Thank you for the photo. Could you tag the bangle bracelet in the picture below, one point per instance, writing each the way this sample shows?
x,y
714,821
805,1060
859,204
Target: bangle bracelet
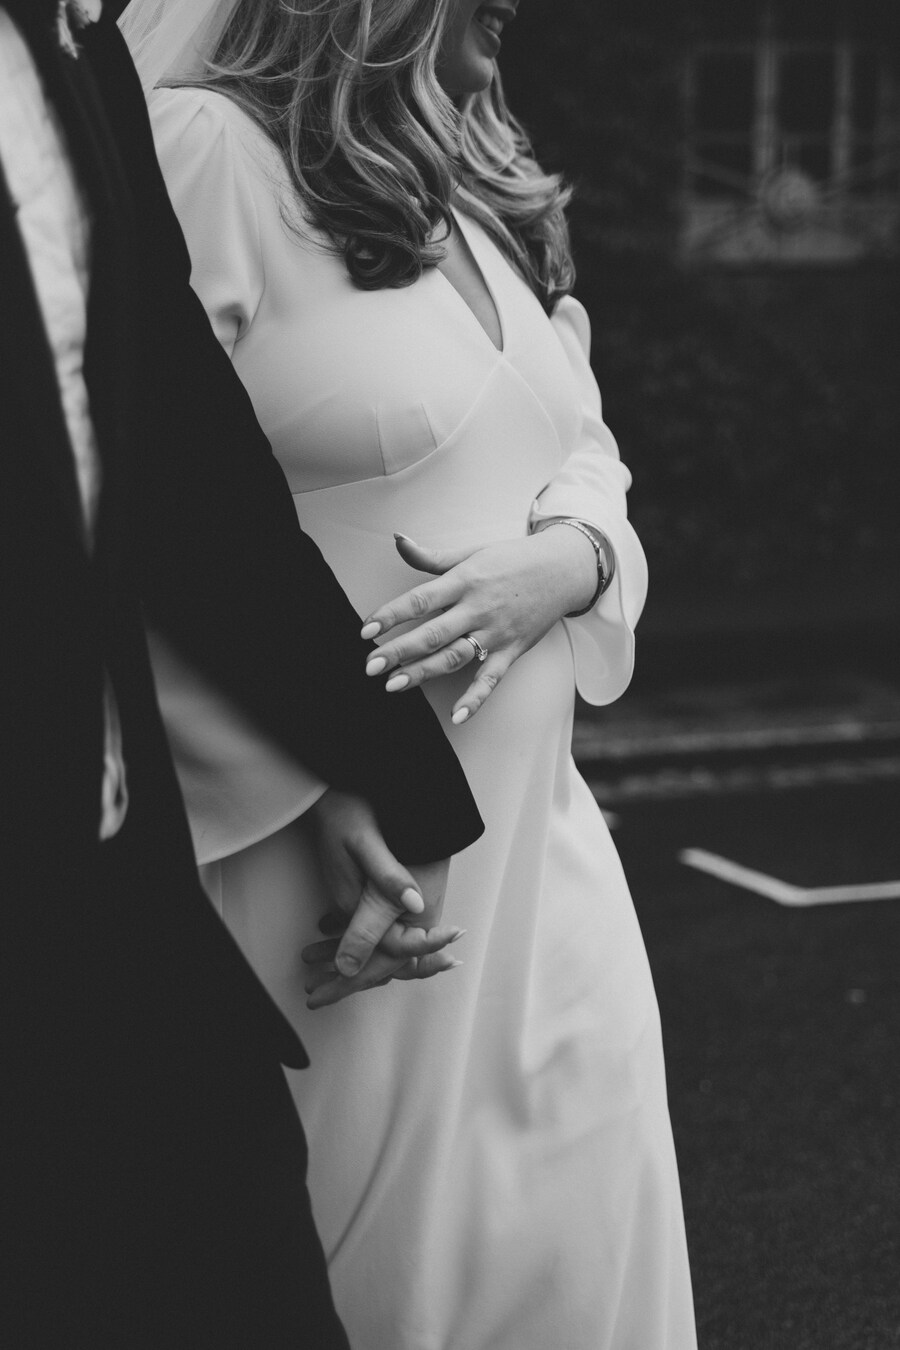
x,y
606,559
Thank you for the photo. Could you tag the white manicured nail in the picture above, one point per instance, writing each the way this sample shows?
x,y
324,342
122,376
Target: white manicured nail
x,y
375,665
370,630
459,716
397,682
412,901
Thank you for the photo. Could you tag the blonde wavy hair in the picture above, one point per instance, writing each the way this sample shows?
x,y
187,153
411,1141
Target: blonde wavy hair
x,y
376,150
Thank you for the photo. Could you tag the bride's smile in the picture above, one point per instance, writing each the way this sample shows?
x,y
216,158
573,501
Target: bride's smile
x,y
472,43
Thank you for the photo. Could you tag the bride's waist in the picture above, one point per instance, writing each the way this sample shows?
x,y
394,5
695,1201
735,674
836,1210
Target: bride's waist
x,y
362,550
454,514
362,553
357,522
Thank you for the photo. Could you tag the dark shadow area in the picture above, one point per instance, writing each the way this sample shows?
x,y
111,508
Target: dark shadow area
x,y
755,396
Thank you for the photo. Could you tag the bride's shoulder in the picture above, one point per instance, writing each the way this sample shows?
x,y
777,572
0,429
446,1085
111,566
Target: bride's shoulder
x,y
194,118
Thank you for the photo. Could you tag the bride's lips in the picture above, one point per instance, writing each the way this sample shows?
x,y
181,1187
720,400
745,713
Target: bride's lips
x,y
492,19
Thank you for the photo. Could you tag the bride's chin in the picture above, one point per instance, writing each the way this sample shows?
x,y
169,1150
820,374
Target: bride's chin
x,y
476,78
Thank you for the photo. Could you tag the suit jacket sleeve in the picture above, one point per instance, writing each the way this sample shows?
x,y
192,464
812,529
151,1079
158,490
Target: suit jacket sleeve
x,y
220,561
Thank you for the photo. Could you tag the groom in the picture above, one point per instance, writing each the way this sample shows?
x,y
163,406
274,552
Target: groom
x,y
154,1182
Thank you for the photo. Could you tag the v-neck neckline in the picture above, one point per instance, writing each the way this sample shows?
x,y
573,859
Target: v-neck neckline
x,y
463,227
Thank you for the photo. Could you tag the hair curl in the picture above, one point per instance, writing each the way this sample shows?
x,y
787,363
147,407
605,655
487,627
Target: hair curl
x,y
376,150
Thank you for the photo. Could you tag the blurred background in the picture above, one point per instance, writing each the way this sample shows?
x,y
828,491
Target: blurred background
x,y
737,238
737,235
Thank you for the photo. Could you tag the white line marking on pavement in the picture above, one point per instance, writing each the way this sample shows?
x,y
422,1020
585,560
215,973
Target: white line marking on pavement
x,y
782,892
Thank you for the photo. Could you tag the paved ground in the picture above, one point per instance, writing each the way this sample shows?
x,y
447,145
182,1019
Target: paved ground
x,y
692,739
782,1022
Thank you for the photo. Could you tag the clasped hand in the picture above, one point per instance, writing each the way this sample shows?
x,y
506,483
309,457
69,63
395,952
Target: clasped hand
x,y
385,922
505,595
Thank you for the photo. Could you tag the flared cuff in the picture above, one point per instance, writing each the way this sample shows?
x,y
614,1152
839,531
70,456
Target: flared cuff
x,y
603,639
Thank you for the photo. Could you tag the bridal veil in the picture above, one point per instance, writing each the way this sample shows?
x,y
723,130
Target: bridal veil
x,y
171,39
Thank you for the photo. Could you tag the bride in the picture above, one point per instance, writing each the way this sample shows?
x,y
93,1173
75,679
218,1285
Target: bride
x,y
492,1165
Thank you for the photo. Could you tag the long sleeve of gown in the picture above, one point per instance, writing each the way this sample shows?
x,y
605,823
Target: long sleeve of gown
x,y
238,785
212,178
591,486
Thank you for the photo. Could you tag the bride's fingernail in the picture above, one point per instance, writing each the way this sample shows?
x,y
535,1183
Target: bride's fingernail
x,y
347,966
459,716
375,665
460,932
370,630
398,537
397,682
451,965
412,901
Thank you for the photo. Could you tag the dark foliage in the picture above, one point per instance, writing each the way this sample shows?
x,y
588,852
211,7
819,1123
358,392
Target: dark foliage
x,y
759,411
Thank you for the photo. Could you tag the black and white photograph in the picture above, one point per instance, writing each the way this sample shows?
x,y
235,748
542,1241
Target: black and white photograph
x,y
450,757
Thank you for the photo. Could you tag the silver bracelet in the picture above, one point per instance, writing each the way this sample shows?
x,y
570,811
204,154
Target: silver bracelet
x,y
606,559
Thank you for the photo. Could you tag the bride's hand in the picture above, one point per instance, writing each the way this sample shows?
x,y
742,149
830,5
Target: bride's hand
x,y
405,953
505,596
385,921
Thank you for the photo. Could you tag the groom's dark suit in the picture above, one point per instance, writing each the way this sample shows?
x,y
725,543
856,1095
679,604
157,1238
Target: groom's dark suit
x,y
157,1193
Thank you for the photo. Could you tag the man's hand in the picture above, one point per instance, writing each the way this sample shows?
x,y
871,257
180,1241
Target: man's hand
x,y
379,904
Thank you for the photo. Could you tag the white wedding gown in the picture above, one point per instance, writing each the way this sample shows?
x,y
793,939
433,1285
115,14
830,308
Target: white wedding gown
x,y
491,1160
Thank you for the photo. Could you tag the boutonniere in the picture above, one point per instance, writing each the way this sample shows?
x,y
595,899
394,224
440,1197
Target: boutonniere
x,y
77,12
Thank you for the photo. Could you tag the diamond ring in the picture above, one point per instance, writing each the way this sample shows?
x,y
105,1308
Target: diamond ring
x,y
480,652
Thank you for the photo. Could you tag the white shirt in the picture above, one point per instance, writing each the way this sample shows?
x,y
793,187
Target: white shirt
x,y
55,225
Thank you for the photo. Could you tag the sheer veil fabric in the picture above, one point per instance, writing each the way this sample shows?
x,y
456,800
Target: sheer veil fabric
x,y
171,39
